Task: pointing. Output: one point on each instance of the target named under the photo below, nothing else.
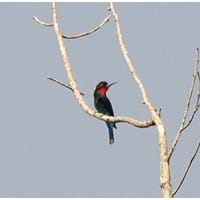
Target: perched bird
(103, 105)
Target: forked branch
(185, 124)
(165, 178)
(80, 35)
(76, 91)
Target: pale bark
(76, 91)
(165, 178)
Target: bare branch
(164, 165)
(146, 100)
(185, 124)
(63, 84)
(41, 22)
(137, 123)
(197, 105)
(186, 171)
(76, 92)
(107, 19)
(80, 35)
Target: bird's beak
(111, 84)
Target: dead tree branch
(80, 35)
(186, 171)
(197, 105)
(42, 22)
(165, 177)
(184, 123)
(164, 165)
(76, 91)
(106, 20)
(63, 84)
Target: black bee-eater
(103, 105)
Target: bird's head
(103, 87)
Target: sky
(49, 146)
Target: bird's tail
(110, 126)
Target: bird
(103, 105)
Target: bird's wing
(108, 106)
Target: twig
(164, 165)
(63, 84)
(186, 171)
(107, 19)
(76, 92)
(197, 105)
(41, 22)
(185, 125)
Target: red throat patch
(103, 90)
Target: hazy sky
(49, 147)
